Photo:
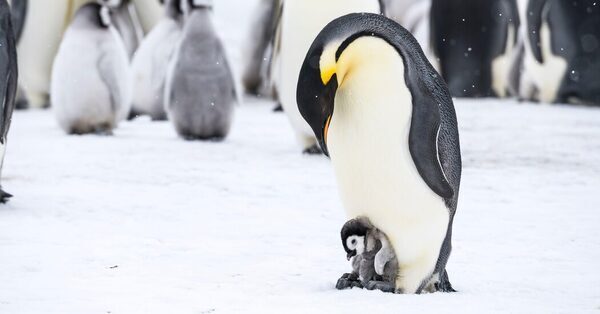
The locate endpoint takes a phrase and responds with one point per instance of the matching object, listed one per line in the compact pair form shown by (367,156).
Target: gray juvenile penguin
(91,83)
(8,81)
(373,260)
(200,90)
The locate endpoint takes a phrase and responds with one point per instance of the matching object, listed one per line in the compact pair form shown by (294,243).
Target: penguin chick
(90,79)
(151,61)
(200,90)
(374,261)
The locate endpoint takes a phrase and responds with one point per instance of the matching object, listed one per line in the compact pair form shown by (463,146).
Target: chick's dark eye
(353,241)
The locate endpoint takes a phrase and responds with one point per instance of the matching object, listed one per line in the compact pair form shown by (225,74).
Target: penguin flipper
(19,14)
(8,72)
(423,140)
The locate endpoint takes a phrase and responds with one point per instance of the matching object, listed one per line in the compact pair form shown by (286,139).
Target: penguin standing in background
(562,52)
(386,118)
(125,19)
(475,42)
(261,41)
(200,93)
(301,21)
(151,61)
(91,80)
(8,81)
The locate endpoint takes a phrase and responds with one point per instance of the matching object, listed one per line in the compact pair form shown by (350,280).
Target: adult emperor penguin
(474,42)
(385,117)
(200,93)
(8,81)
(91,80)
(562,55)
(151,61)
(301,21)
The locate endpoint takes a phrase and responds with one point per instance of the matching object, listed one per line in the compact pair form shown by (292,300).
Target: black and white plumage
(8,81)
(200,95)
(91,83)
(151,61)
(562,52)
(261,43)
(387,120)
(475,42)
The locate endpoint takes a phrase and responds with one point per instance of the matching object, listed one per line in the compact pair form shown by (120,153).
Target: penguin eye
(353,241)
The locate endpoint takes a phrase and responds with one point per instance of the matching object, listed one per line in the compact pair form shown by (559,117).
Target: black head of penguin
(431,102)
(575,36)
(355,227)
(92,15)
(467,35)
(173,8)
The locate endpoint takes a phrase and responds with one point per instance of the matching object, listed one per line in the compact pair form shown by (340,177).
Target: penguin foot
(313,150)
(21,104)
(348,281)
(444,284)
(4,196)
(381,286)
(278,108)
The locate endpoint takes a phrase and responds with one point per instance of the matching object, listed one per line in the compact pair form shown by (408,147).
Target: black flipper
(8,70)
(19,14)
(423,139)
(535,13)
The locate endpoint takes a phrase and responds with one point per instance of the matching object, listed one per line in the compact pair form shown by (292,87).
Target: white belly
(546,76)
(79,94)
(302,21)
(150,65)
(377,178)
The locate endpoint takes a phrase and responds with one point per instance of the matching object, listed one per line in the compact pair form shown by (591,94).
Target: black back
(575,36)
(8,70)
(467,35)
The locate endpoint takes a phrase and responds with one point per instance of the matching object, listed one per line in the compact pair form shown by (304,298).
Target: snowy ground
(144,222)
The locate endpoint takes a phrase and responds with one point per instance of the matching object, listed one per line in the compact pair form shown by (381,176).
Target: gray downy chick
(200,90)
(374,264)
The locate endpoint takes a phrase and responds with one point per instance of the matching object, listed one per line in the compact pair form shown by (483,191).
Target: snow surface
(144,222)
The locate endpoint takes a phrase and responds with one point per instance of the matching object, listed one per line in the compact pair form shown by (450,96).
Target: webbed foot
(348,281)
(381,285)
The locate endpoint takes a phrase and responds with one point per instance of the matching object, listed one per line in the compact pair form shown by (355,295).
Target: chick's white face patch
(356,243)
(105,15)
